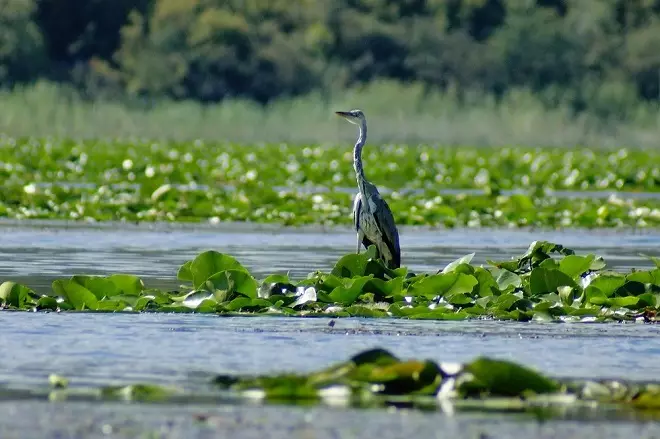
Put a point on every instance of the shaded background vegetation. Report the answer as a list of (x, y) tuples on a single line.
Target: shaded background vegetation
[(599, 57)]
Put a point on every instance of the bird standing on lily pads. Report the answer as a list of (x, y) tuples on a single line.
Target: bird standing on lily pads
[(372, 216)]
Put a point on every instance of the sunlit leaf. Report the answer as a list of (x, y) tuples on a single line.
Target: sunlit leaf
[(503, 378), (462, 260), (77, 295), (209, 263)]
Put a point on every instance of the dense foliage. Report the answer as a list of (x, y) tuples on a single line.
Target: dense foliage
[(595, 54), (314, 184), (547, 283)]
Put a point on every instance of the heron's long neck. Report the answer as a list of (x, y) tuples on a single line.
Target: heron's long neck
[(357, 157)]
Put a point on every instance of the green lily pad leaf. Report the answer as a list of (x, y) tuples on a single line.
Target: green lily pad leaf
[(648, 398), (99, 286), (459, 299), (486, 284), (210, 263), (505, 301), (47, 302), (238, 303), (432, 286), (351, 265), (645, 277), (136, 392), (347, 295), (462, 260), (276, 278), (57, 381), (440, 314), (537, 252), (592, 292), (174, 308), (503, 378), (654, 259), (484, 302), (309, 295), (195, 298), (327, 283), (622, 302), (185, 274), (443, 285), (142, 304), (506, 279), (363, 311), (398, 310), (608, 283), (647, 300), (376, 357), (574, 266), (127, 284), (77, 295), (511, 266), (544, 280), (14, 294), (549, 263), (382, 288), (233, 281), (247, 304), (268, 289), (464, 284), (597, 264), (567, 294), (403, 378), (630, 288), (111, 305)]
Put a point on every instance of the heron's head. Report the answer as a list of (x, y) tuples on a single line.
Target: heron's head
[(355, 117)]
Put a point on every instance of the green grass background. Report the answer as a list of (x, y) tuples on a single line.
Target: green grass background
[(396, 113)]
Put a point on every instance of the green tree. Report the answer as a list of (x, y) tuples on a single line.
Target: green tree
[(79, 30), (538, 49), (643, 59), (22, 55), (212, 49)]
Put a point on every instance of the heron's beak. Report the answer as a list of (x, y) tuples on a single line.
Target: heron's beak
[(343, 114)]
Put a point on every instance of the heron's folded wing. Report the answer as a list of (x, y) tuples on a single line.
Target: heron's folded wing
[(357, 207), (385, 222)]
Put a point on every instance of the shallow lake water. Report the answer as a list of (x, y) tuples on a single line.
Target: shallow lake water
[(180, 349)]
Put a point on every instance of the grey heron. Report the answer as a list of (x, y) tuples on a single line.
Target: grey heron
[(372, 216)]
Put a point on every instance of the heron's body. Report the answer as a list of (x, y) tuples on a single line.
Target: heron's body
[(372, 217)]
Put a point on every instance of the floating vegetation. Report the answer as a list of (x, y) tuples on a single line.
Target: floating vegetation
[(196, 181), (377, 378), (547, 283)]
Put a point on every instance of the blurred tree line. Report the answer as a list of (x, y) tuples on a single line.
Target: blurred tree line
[(601, 55)]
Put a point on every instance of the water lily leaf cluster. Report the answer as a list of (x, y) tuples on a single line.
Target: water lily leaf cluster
[(141, 180), (377, 378), (547, 283)]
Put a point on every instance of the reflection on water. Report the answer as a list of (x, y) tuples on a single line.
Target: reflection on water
[(39, 254)]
